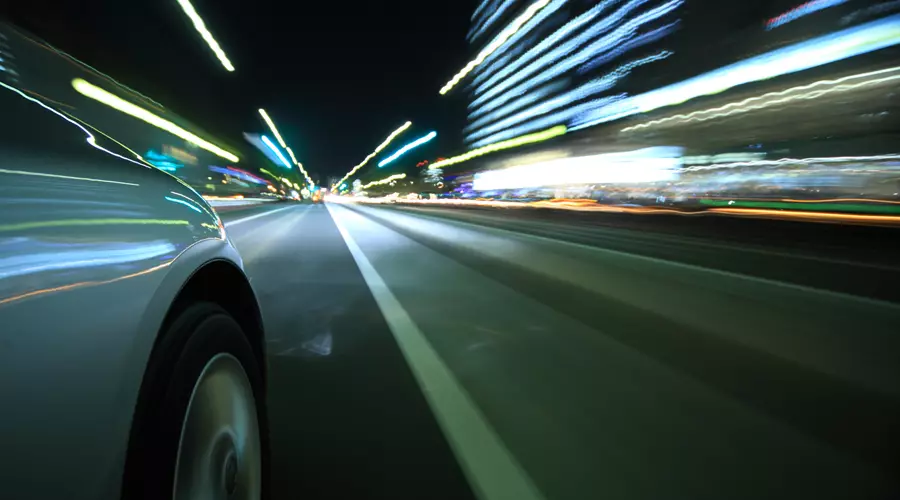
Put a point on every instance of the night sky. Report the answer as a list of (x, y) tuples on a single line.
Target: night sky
[(336, 76)]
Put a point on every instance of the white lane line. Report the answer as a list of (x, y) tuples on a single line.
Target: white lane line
[(492, 470), (245, 219)]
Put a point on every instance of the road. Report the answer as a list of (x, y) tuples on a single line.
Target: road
[(450, 353)]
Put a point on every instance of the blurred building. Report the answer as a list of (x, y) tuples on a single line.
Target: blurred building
[(684, 97)]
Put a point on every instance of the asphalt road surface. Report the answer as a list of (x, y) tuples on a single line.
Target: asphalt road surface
[(448, 353)]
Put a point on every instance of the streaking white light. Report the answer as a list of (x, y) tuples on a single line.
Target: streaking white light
[(595, 86), (478, 29), (791, 59), (271, 125), (418, 142), (803, 10), (552, 119), (200, 26), (657, 164), (811, 91), (373, 154), (386, 180), (529, 98), (275, 150), (89, 90), (493, 62), (573, 56), (497, 42), (529, 62)]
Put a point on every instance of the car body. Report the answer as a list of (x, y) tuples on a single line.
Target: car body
[(96, 248)]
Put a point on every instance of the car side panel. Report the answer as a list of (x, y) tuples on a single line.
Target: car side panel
[(93, 248)]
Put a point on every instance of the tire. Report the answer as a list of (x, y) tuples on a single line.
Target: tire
[(201, 359)]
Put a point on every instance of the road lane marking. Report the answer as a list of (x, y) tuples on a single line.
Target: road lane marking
[(492, 470), (245, 219)]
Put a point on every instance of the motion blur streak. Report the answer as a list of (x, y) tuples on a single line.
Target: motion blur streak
[(200, 26), (500, 146), (90, 137), (797, 161), (272, 127), (386, 180), (801, 11), (57, 260), (21, 226), (646, 165), (498, 42), (88, 90), (556, 118), (275, 150), (81, 285), (185, 203), (809, 216), (67, 177), (373, 154), (795, 58), (568, 55), (545, 44), (804, 92), (492, 63), (418, 142)]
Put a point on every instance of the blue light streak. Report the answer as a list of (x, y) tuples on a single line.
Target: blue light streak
[(802, 11), (185, 203), (634, 43), (492, 19), (595, 86), (491, 63), (812, 53), (549, 120), (625, 32), (275, 150), (527, 64), (418, 142)]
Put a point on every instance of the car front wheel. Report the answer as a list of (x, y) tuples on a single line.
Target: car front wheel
[(200, 424)]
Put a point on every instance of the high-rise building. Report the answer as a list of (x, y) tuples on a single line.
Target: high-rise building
[(557, 62)]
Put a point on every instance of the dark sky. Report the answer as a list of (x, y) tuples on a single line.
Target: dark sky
[(336, 76)]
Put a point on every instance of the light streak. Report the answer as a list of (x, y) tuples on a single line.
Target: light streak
[(492, 63), (373, 154), (480, 28), (268, 142), (560, 117), (272, 127), (573, 57), (67, 177), (418, 142), (200, 26), (185, 203), (797, 161), (92, 91), (656, 164), (541, 136), (812, 53), (531, 61), (291, 154), (81, 284), (524, 100), (638, 41), (595, 86), (22, 226), (386, 180), (497, 42), (803, 92), (801, 11), (552, 104)]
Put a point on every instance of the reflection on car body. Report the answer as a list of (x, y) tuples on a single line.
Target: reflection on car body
[(122, 302)]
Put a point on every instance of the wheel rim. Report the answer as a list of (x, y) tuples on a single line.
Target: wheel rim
[(219, 450)]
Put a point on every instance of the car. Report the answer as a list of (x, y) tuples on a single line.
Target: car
[(132, 347)]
